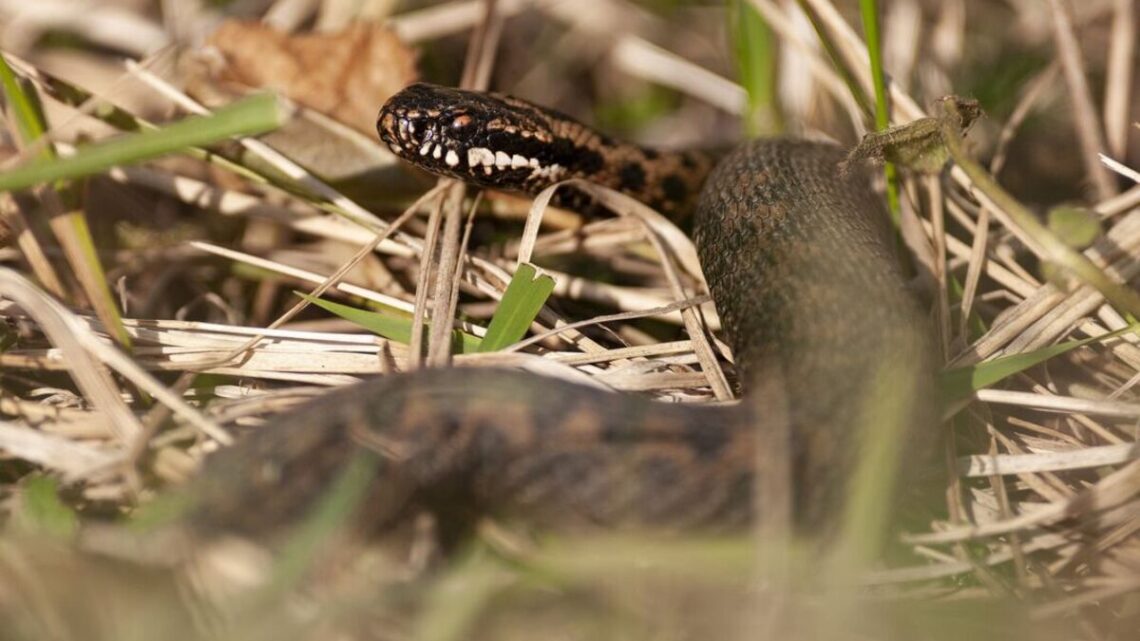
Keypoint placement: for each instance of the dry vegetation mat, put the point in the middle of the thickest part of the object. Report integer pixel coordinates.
(199, 230)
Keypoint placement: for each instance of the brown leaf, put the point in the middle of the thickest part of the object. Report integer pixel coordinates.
(346, 75)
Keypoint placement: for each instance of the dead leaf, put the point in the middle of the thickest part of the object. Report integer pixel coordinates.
(346, 75)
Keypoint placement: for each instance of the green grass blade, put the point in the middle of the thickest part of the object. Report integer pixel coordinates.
(870, 13)
(24, 108)
(755, 49)
(42, 512)
(844, 71)
(68, 225)
(393, 328)
(456, 602)
(332, 513)
(884, 413)
(959, 383)
(525, 296)
(253, 115)
(75, 238)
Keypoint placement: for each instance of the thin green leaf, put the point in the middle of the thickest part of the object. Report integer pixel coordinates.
(525, 296)
(870, 13)
(74, 236)
(69, 227)
(256, 171)
(1076, 226)
(959, 383)
(331, 513)
(456, 602)
(253, 115)
(845, 72)
(43, 512)
(23, 106)
(756, 68)
(394, 328)
(883, 420)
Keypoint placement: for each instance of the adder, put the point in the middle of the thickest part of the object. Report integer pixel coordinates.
(800, 260)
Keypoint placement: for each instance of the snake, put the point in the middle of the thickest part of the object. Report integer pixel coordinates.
(832, 346)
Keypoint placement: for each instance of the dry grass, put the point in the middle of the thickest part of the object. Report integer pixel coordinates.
(1045, 507)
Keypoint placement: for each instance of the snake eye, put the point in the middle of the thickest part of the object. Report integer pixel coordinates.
(461, 121)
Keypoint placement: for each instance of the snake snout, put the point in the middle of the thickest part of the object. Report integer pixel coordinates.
(386, 127)
(397, 131)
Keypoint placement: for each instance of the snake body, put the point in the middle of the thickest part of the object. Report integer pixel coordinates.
(800, 260)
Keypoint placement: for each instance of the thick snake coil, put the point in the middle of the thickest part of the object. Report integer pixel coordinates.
(800, 261)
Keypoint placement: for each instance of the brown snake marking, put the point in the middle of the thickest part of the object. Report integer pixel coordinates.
(801, 264)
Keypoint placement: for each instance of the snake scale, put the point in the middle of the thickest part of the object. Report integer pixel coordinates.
(800, 261)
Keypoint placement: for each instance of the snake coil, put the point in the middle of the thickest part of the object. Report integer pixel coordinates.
(800, 260)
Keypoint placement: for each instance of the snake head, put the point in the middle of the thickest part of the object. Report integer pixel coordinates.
(486, 139)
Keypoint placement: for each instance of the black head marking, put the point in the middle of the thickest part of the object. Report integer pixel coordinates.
(675, 188)
(632, 177)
